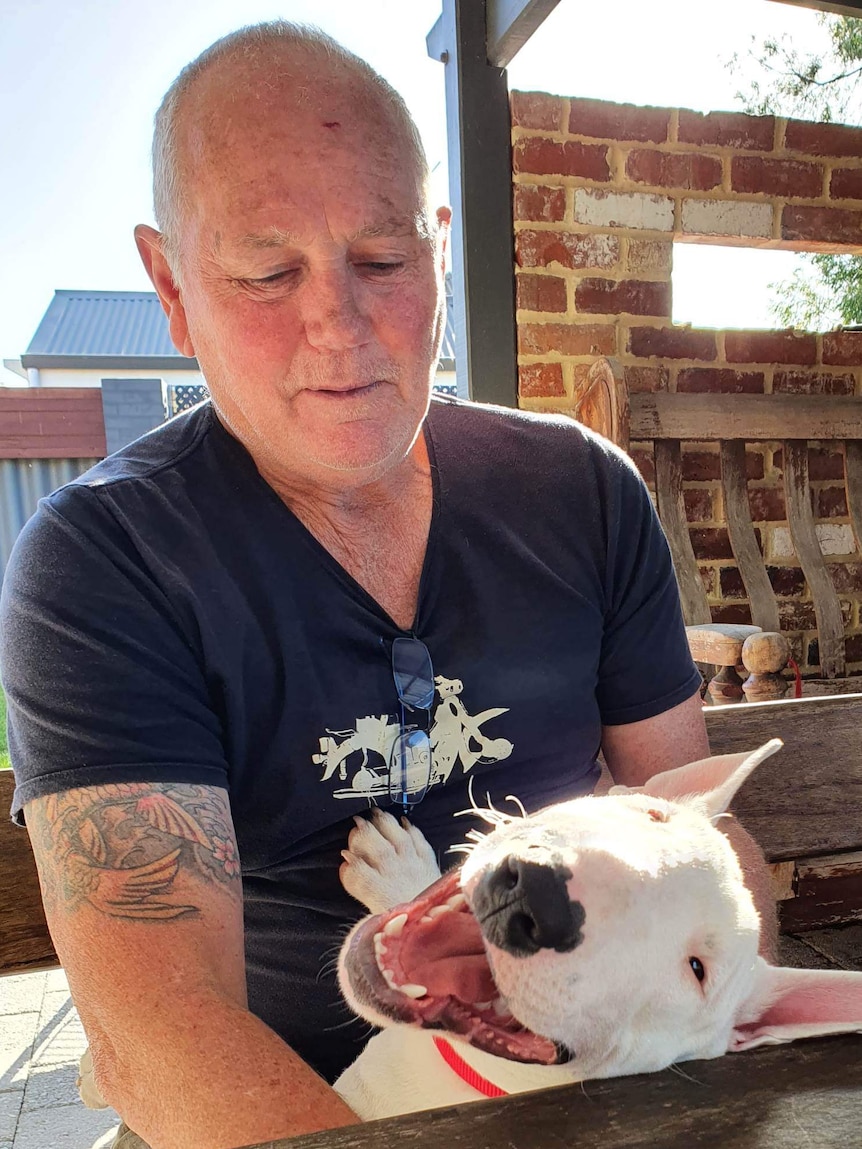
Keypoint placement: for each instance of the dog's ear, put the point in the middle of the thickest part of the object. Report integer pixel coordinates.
(714, 781)
(792, 1003)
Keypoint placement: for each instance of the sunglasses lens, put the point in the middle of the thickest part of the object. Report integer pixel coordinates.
(413, 673)
(410, 767)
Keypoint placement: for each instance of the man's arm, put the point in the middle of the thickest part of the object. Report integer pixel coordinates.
(143, 896)
(638, 750)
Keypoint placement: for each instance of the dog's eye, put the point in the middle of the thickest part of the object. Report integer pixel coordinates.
(697, 968)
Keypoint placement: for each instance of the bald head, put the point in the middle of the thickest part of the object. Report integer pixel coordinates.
(241, 82)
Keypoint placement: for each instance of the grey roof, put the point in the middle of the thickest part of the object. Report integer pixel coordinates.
(104, 328)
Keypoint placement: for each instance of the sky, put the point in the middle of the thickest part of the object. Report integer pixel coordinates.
(79, 83)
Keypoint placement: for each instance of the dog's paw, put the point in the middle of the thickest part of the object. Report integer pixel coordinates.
(386, 862)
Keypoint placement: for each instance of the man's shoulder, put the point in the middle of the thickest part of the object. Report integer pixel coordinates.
(159, 450)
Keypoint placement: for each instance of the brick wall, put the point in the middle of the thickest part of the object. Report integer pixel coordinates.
(601, 193)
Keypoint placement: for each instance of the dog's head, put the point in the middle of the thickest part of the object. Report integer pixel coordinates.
(615, 931)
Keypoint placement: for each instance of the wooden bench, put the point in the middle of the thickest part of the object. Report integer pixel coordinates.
(805, 807)
(666, 420)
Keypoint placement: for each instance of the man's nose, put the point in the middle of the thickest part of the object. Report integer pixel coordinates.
(334, 318)
(524, 907)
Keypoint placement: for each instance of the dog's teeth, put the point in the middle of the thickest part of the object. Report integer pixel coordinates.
(436, 911)
(500, 1007)
(456, 901)
(379, 946)
(389, 978)
(413, 990)
(394, 927)
(482, 1004)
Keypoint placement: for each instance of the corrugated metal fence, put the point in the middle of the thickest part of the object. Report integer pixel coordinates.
(23, 482)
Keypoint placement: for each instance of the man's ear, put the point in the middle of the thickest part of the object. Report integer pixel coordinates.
(444, 223)
(150, 248)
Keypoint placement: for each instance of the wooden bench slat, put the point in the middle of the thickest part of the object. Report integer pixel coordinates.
(25, 943)
(665, 415)
(827, 608)
(793, 1096)
(805, 801)
(743, 540)
(671, 509)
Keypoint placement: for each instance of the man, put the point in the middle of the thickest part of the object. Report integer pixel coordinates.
(200, 636)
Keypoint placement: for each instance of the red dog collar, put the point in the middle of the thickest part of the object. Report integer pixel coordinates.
(466, 1072)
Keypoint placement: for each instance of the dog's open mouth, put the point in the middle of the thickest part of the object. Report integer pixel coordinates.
(425, 964)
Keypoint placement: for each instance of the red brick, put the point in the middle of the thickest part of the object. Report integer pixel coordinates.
(822, 463)
(539, 204)
(852, 653)
(770, 347)
(601, 120)
(797, 615)
(767, 504)
(703, 466)
(542, 248)
(842, 348)
(540, 292)
(537, 110)
(731, 583)
(727, 130)
(711, 543)
(846, 183)
(688, 170)
(846, 577)
(541, 157)
(719, 381)
(734, 615)
(641, 379)
(672, 343)
(812, 383)
(567, 338)
(787, 582)
(776, 177)
(698, 505)
(540, 379)
(830, 503)
(821, 227)
(624, 296)
(822, 139)
(645, 462)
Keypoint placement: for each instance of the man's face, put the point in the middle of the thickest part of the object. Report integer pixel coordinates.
(310, 284)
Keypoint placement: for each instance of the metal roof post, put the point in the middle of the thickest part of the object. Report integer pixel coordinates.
(480, 187)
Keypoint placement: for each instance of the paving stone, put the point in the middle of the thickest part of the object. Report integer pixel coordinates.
(51, 1085)
(17, 1035)
(65, 1127)
(55, 979)
(22, 993)
(61, 1041)
(10, 1107)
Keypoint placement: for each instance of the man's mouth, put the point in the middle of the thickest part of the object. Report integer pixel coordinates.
(425, 964)
(350, 390)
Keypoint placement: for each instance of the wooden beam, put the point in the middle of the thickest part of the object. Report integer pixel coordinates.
(746, 417)
(510, 25)
(480, 186)
(847, 8)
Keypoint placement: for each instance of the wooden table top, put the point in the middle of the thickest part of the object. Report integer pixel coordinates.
(806, 1095)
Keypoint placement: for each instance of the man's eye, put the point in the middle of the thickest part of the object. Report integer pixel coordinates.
(381, 268)
(276, 277)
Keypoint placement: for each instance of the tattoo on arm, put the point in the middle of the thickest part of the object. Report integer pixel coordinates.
(121, 847)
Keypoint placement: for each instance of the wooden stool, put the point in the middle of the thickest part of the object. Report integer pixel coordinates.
(764, 656)
(721, 645)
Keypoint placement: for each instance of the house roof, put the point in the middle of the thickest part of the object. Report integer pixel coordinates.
(105, 329)
(116, 329)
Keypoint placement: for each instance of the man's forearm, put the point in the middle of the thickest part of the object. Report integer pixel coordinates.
(209, 1075)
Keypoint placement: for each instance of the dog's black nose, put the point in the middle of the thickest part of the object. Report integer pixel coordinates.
(524, 907)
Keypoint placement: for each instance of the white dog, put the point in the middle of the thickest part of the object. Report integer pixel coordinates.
(600, 937)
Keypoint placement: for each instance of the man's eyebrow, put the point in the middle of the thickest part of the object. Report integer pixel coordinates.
(281, 237)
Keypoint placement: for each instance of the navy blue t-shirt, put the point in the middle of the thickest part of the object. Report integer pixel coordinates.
(166, 618)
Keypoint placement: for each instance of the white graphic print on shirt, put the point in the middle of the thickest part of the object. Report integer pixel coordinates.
(360, 757)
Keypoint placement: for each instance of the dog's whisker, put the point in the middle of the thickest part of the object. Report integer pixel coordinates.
(516, 801)
(674, 1068)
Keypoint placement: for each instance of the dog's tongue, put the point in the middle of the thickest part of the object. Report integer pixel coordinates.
(447, 956)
